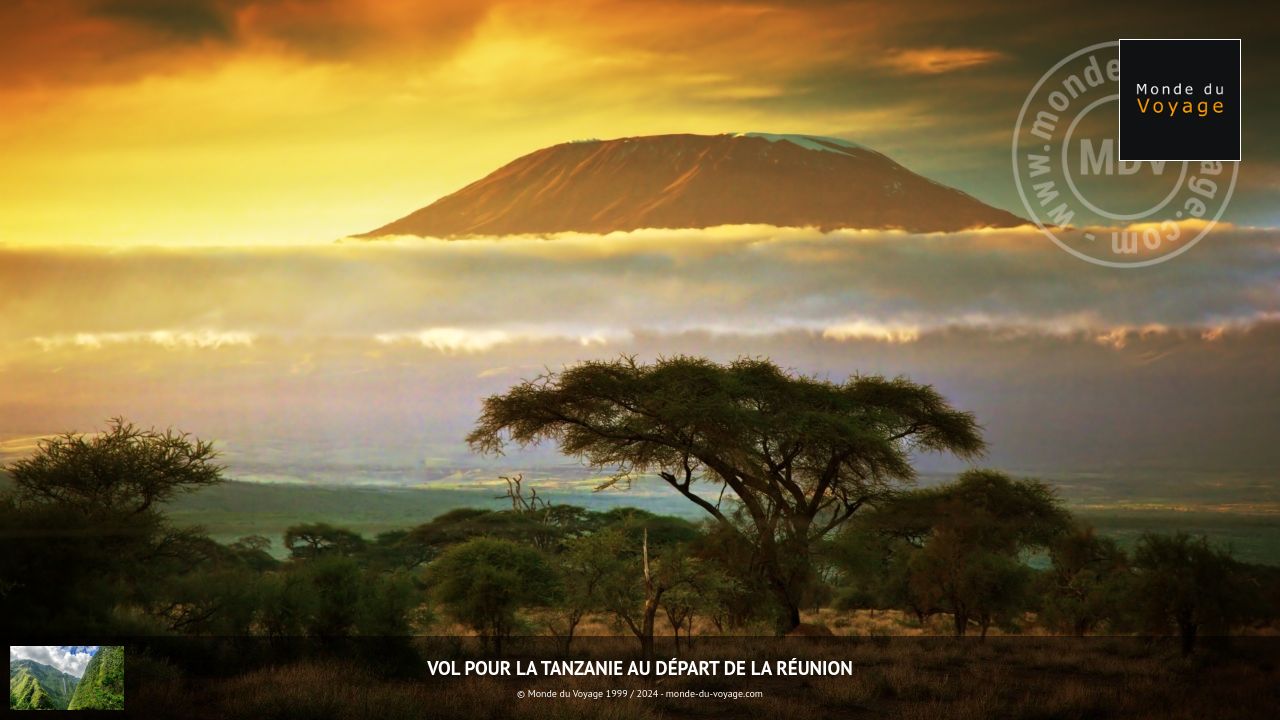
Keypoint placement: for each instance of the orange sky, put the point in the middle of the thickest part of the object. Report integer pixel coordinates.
(296, 121)
(285, 122)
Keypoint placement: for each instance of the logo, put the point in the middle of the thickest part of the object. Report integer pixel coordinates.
(1103, 210)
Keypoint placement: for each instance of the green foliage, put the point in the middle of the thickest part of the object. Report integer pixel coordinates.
(988, 507)
(744, 598)
(67, 570)
(869, 568)
(618, 582)
(484, 582)
(316, 539)
(426, 542)
(662, 530)
(609, 575)
(26, 693)
(332, 596)
(81, 529)
(102, 687)
(1086, 584)
(800, 454)
(1185, 583)
(332, 604)
(386, 603)
(602, 571)
(697, 588)
(252, 551)
(969, 582)
(36, 686)
(582, 573)
(124, 469)
(957, 548)
(283, 604)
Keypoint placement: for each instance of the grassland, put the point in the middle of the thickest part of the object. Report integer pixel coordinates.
(235, 509)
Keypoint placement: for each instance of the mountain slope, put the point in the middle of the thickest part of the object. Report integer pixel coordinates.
(36, 686)
(694, 181)
(102, 687)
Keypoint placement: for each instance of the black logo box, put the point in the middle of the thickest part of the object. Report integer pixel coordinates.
(1193, 62)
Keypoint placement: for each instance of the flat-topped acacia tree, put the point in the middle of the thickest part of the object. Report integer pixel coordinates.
(801, 455)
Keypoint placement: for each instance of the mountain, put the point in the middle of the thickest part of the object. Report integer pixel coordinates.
(102, 687)
(36, 686)
(695, 181)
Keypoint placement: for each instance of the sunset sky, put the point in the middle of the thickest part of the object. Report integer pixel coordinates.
(173, 176)
(297, 121)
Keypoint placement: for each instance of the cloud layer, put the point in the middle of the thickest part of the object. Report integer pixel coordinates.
(70, 659)
(470, 296)
(368, 361)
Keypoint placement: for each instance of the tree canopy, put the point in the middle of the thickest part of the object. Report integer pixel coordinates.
(313, 539)
(800, 454)
(959, 545)
(82, 526)
(485, 581)
(1184, 582)
(122, 469)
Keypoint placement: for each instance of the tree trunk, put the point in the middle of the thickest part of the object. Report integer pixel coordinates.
(785, 588)
(789, 617)
(652, 594)
(568, 637)
(793, 616)
(646, 628)
(961, 621)
(1187, 630)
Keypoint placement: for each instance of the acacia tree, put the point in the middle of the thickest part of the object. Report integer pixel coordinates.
(82, 530)
(801, 455)
(970, 582)
(122, 470)
(1185, 582)
(484, 582)
(704, 588)
(633, 576)
(1086, 583)
(961, 543)
(315, 539)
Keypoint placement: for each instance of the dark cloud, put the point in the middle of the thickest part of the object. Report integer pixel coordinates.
(956, 126)
(75, 43)
(792, 62)
(185, 19)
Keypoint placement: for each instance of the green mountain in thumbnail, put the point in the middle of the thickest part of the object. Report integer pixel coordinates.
(36, 686)
(102, 687)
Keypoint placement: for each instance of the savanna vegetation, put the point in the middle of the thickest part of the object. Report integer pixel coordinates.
(811, 526)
